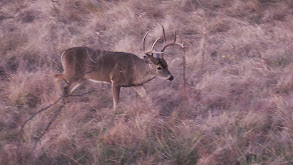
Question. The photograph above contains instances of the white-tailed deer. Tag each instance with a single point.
(117, 68)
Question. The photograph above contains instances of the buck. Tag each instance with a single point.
(120, 69)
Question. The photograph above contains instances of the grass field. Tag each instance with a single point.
(229, 104)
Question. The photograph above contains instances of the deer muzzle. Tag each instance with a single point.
(171, 77)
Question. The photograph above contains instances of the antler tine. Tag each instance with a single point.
(164, 35)
(153, 46)
(176, 43)
(143, 41)
(175, 36)
(172, 43)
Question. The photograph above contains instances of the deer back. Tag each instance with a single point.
(99, 65)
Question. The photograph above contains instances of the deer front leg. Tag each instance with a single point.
(58, 80)
(70, 88)
(142, 93)
(116, 91)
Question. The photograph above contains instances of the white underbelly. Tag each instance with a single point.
(96, 81)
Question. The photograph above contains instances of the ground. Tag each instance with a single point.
(230, 101)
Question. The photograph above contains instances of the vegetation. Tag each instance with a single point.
(231, 104)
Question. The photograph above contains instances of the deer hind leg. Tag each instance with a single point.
(116, 92)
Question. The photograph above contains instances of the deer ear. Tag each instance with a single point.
(157, 55)
(151, 59)
(146, 59)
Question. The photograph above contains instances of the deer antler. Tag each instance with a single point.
(151, 51)
(153, 46)
(164, 36)
(143, 41)
(172, 43)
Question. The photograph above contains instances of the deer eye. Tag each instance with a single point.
(159, 68)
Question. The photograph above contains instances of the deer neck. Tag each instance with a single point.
(143, 73)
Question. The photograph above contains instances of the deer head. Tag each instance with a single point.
(156, 59)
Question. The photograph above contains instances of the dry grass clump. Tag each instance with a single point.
(235, 107)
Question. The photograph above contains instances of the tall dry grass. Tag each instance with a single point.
(236, 107)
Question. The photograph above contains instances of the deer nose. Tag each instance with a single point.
(171, 78)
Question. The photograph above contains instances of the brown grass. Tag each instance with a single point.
(238, 109)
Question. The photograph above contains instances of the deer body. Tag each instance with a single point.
(117, 68)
